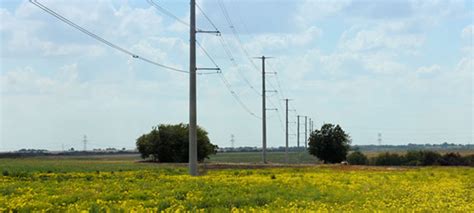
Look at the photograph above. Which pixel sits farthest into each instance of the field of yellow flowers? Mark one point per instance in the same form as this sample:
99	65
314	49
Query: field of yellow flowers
318	188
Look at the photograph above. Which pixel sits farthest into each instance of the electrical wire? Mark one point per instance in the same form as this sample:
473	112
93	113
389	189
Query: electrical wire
227	84
236	97
225	45
92	35
168	13
207	17
235	33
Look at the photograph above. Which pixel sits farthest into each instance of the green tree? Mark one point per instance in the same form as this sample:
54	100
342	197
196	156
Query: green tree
330	144
170	143
357	158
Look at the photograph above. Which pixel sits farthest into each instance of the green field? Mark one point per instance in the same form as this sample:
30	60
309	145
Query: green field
121	183
256	157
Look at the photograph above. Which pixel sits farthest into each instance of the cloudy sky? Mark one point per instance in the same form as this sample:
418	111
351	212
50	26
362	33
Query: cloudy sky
402	68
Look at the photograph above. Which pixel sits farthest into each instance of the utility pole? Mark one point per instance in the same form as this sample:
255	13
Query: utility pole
309	125
286	132
264	114
193	164
305	132
298	131
193	171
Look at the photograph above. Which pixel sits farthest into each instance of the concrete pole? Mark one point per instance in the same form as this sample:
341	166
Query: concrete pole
193	170
305	132
286	135
298	131
264	115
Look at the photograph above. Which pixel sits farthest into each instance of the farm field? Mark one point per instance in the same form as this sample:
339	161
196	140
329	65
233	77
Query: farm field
118	183
256	157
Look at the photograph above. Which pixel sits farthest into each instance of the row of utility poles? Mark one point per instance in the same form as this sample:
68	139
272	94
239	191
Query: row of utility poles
193	164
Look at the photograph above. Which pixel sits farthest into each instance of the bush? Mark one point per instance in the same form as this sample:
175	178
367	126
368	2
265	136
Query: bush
422	158
357	158
469	160
453	159
170	143
388	159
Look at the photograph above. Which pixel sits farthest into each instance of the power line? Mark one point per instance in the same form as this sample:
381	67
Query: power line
110	44
235	33
236	97
207	17
226	48
225	45
207	54
227	84
168	13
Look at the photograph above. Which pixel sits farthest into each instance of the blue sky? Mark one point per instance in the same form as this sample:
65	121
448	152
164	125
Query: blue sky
400	68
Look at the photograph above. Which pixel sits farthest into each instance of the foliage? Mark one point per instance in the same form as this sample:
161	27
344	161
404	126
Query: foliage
311	189
170	143
357	158
422	158
388	159
453	159
330	144
469	159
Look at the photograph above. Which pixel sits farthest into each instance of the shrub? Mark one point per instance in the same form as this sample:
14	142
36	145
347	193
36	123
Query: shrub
388	159
469	160
422	158
452	159
431	158
357	158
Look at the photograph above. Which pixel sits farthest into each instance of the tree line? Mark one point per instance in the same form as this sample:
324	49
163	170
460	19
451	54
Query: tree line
330	144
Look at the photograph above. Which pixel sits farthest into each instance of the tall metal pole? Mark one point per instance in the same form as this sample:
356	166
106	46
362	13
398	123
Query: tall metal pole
298	131
264	115
192	93
305	132
286	138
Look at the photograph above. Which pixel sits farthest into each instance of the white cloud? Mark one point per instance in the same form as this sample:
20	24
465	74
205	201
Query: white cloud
428	70
468	32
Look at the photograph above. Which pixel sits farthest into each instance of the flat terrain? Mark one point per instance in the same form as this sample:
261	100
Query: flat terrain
112	183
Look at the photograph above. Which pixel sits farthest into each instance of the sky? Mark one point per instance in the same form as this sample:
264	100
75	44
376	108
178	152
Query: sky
401	68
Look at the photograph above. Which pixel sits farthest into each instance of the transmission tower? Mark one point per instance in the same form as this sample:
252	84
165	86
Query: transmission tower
232	141
84	141
379	139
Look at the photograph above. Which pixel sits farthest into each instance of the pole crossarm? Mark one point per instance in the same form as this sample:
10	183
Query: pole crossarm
217	32
204	68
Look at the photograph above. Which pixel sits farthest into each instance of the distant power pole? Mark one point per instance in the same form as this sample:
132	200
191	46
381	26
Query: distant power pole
232	140
298	131
305	132
84	141
309	125
286	132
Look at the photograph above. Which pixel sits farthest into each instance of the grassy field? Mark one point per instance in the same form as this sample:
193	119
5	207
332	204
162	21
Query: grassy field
256	157
112	183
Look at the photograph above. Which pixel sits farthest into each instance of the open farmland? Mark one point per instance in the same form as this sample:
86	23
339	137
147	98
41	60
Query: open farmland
98	184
